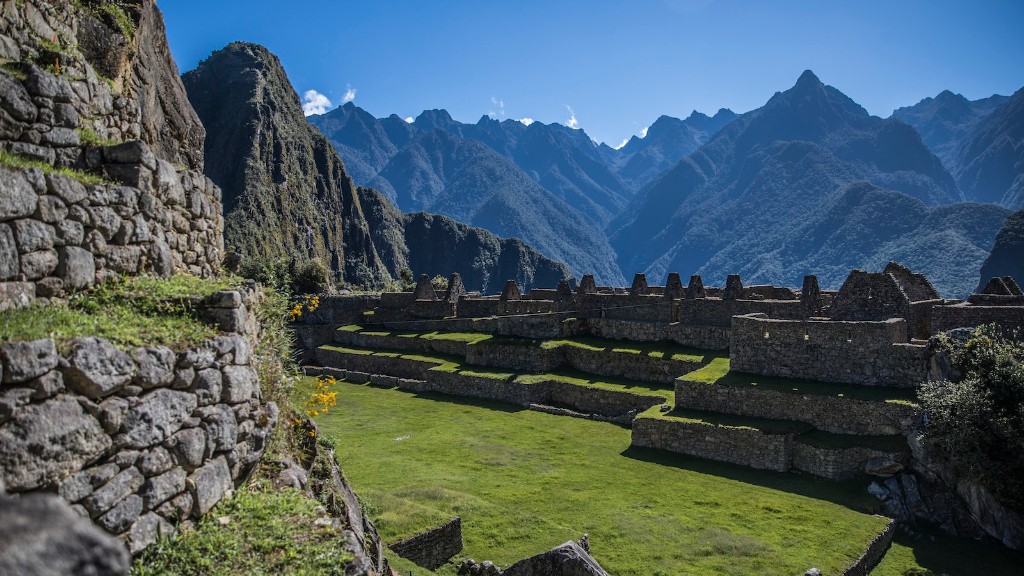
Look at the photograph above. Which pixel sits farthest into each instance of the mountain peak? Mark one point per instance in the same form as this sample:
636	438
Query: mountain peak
437	118
808	77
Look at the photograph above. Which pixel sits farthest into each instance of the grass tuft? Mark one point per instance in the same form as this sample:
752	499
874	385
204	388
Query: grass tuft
16	162
265	532
130	312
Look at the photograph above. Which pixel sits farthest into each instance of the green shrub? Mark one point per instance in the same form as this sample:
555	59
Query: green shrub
310	277
439	282
977	418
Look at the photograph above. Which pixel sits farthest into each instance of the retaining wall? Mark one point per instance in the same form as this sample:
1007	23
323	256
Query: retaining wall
135	440
945	318
839	463
744	446
840	415
871	353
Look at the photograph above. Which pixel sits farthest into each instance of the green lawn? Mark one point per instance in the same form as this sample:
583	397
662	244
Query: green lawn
525	481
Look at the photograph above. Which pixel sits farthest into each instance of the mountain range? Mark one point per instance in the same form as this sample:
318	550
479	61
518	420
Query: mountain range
808	183
287	193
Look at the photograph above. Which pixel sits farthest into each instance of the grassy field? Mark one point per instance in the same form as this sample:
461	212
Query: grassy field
524	482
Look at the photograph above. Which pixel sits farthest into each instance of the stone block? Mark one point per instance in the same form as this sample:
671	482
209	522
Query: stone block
207	386
209	484
68	189
157	417
24	361
146	531
155	461
155	366
121	517
97	368
159	489
76	267
116	490
39	264
133	152
188	447
10	265
241	383
16	295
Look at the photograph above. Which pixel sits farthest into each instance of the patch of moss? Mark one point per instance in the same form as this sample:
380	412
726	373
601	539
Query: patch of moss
91	138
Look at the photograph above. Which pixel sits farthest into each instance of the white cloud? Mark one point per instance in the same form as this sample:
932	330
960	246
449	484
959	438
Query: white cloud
643	133
572	122
499	108
410	119
621	144
314	102
526	121
350	94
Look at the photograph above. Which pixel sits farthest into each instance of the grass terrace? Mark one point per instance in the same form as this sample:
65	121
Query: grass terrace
525	481
717	372
129	312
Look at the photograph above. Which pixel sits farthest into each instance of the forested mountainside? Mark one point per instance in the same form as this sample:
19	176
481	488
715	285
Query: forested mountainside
1007	256
736	204
989	166
946	121
287	193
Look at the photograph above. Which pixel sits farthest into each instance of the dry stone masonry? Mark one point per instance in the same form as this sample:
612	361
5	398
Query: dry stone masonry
78	93
135	440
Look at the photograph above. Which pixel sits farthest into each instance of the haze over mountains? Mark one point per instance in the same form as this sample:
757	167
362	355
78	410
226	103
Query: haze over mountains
809	183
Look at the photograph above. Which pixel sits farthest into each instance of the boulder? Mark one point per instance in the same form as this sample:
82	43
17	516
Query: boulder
45	442
76	266
43	536
20	198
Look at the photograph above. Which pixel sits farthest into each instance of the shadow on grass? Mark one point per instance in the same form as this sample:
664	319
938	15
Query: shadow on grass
468	401
850	493
942	554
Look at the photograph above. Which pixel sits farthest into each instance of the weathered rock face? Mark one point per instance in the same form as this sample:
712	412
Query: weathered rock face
569	559
1007	255
84	90
134	440
286	192
115	78
280	174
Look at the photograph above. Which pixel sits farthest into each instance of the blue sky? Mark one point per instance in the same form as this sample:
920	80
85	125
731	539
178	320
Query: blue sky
613	66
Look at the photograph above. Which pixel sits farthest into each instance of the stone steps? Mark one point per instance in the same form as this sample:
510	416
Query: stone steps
769	444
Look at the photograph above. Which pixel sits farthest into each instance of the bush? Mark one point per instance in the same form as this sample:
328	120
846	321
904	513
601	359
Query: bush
288	275
977	418
310	277
439	282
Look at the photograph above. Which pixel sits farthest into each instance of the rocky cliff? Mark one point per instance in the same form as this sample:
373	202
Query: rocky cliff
287	192
105	150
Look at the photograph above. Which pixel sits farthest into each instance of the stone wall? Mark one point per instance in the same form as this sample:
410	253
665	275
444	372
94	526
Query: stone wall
135	440
872	353
703	337
839	415
738	445
874	553
841	463
432	548
58	235
962	315
71	86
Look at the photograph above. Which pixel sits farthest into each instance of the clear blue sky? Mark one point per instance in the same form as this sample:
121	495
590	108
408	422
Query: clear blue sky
617	65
